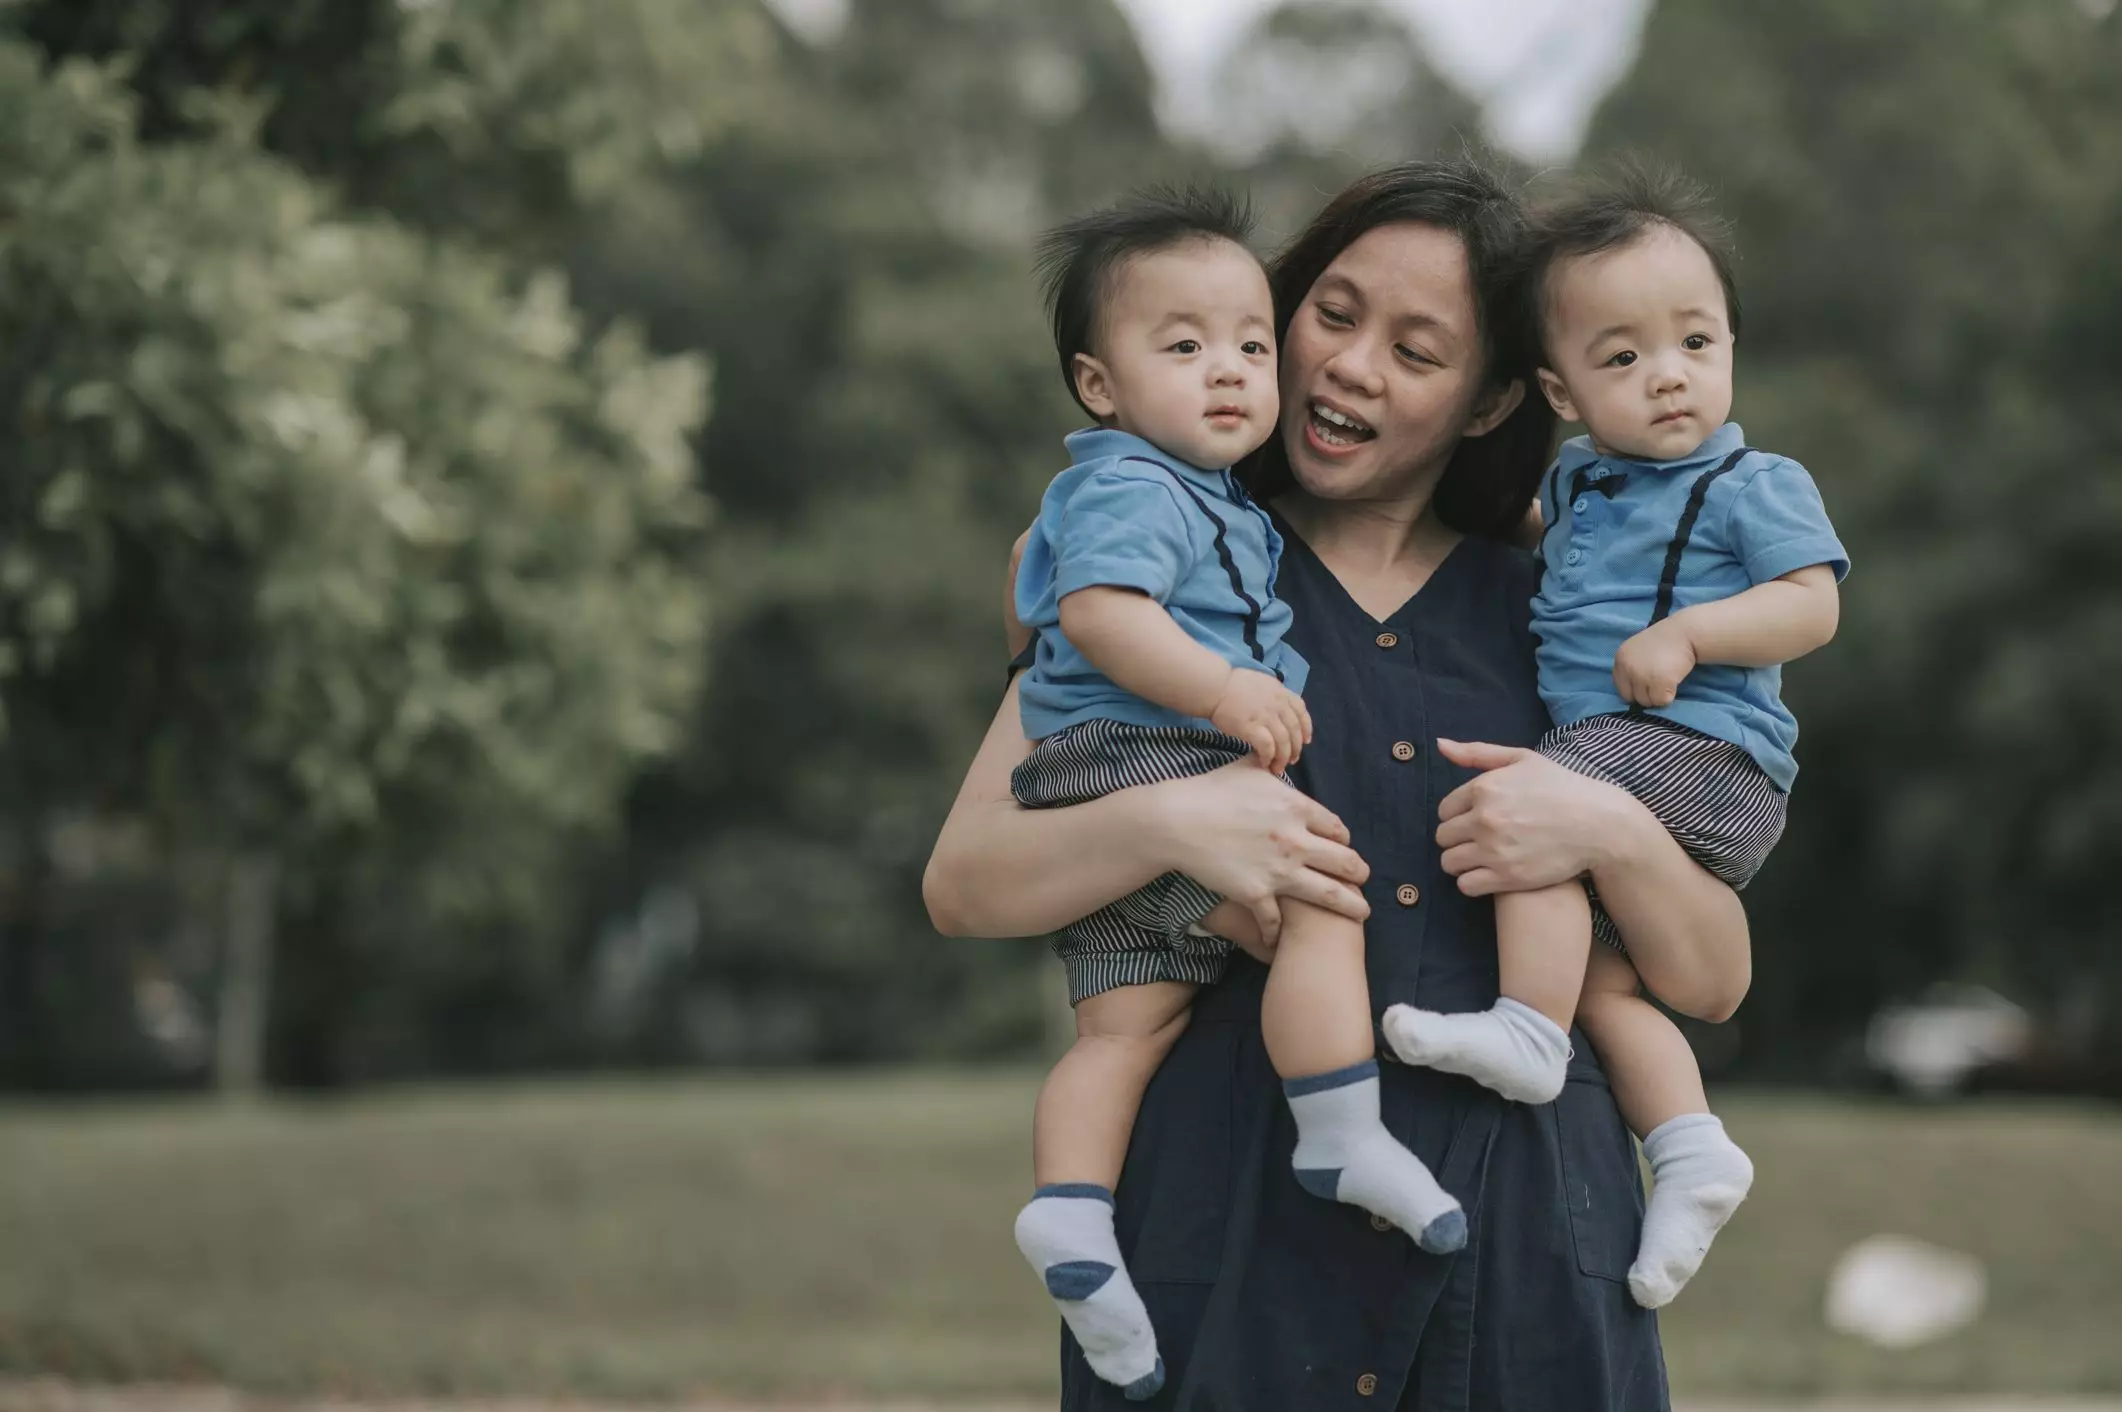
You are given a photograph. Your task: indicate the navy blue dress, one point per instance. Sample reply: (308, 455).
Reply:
(1268, 1299)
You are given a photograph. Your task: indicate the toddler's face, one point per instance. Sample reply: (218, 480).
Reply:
(1186, 353)
(1639, 346)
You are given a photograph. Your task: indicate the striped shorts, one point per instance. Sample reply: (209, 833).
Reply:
(1710, 795)
(1144, 936)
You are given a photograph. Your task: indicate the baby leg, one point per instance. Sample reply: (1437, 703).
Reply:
(1520, 1046)
(1315, 1018)
(1080, 1131)
(1698, 1174)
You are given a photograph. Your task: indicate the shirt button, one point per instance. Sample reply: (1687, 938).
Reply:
(1403, 750)
(1408, 894)
(1388, 639)
(1581, 505)
(1366, 1385)
(1379, 1223)
(1575, 556)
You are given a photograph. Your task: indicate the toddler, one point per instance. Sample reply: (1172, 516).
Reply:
(1679, 569)
(1149, 579)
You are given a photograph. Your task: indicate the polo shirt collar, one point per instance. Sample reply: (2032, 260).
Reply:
(1578, 453)
(1098, 443)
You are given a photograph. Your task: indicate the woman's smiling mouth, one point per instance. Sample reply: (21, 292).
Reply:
(1336, 429)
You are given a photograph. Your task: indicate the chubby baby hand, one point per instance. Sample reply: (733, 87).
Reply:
(1650, 666)
(1266, 715)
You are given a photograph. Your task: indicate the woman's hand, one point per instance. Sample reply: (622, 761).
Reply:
(1528, 823)
(1525, 823)
(1002, 870)
(1243, 833)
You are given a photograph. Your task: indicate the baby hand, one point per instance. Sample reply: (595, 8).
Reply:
(1651, 665)
(1266, 715)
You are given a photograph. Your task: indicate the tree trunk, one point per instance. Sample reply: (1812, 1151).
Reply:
(246, 974)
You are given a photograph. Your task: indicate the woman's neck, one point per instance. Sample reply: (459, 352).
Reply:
(1383, 552)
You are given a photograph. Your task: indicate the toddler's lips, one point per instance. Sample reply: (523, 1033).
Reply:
(1670, 417)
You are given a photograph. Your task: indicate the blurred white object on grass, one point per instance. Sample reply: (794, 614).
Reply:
(1898, 1292)
(1932, 1044)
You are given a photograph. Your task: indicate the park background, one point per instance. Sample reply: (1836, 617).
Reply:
(501, 540)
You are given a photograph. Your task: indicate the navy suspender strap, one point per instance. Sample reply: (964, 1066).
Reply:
(1223, 556)
(1554, 496)
(1696, 495)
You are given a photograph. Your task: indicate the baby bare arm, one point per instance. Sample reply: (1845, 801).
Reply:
(1134, 641)
(1770, 623)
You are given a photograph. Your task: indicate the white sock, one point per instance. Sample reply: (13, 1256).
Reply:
(1512, 1049)
(1066, 1231)
(1698, 1178)
(1345, 1154)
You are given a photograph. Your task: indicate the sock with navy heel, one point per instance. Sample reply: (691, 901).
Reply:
(1066, 1231)
(1345, 1154)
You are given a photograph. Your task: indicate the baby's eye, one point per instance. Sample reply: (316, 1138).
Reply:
(1695, 342)
(1622, 359)
(1253, 348)
(1184, 346)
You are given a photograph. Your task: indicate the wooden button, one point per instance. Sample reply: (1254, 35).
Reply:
(1388, 639)
(1379, 1223)
(1403, 750)
(1408, 894)
(1366, 1385)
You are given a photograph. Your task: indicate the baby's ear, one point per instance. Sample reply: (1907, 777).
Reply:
(1094, 385)
(1557, 395)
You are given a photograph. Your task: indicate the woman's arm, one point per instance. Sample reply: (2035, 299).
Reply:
(1528, 823)
(1003, 870)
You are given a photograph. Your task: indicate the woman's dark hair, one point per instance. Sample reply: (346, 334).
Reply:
(1617, 208)
(1490, 479)
(1078, 261)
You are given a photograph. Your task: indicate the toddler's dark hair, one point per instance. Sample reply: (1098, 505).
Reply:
(1619, 208)
(1078, 260)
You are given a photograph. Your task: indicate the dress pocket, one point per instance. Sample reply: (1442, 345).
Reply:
(1602, 1184)
(1176, 1186)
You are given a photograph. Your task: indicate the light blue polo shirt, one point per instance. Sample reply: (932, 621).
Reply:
(1126, 515)
(1612, 524)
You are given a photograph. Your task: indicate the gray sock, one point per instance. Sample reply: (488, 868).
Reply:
(1698, 1178)
(1345, 1154)
(1511, 1049)
(1066, 1231)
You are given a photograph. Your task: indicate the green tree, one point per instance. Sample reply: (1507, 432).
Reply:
(326, 542)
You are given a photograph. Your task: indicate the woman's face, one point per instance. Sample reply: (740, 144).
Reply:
(1382, 367)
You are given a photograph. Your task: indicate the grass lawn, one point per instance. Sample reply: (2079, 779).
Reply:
(851, 1235)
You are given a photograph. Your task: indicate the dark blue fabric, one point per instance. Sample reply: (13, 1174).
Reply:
(1268, 1299)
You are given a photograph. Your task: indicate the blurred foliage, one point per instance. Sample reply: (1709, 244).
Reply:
(324, 537)
(355, 375)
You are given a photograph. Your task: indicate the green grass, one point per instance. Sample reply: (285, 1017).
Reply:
(851, 1235)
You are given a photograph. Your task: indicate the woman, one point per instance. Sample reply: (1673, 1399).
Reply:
(1406, 452)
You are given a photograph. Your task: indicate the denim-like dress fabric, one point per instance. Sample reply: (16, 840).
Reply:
(1267, 1299)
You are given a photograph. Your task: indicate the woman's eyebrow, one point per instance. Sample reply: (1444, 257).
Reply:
(1342, 283)
(1415, 318)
